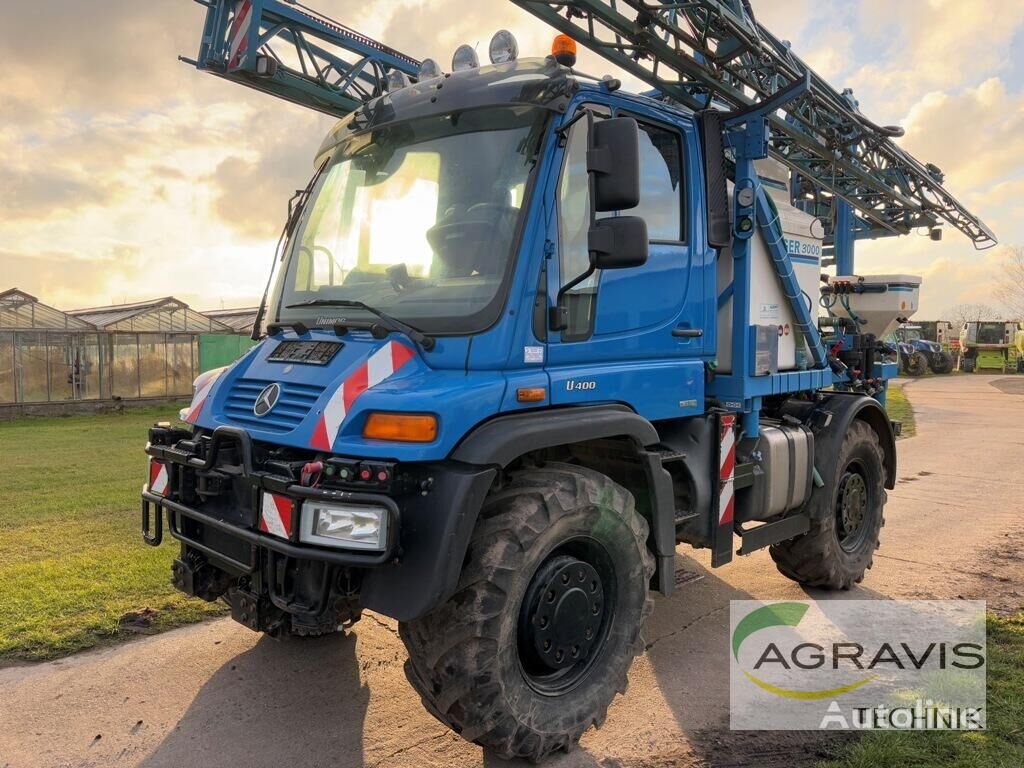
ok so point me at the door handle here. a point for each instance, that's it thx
(687, 333)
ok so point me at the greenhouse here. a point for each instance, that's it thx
(147, 349)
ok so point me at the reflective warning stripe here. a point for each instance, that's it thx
(198, 400)
(276, 515)
(727, 470)
(383, 364)
(158, 478)
(239, 34)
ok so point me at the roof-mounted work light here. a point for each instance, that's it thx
(464, 58)
(396, 80)
(503, 48)
(429, 69)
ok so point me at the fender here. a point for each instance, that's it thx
(436, 528)
(830, 418)
(504, 439)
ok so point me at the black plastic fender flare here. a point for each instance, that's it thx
(831, 417)
(500, 441)
(505, 438)
(436, 528)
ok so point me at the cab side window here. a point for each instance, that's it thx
(573, 226)
(661, 206)
(661, 187)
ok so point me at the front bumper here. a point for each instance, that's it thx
(229, 536)
(155, 507)
(211, 502)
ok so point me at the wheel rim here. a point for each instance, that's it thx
(565, 615)
(852, 507)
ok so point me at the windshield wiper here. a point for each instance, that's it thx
(295, 208)
(387, 321)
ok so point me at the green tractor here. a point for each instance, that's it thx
(986, 345)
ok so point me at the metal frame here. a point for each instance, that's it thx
(704, 53)
(284, 54)
(748, 134)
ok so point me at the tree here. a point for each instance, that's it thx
(963, 313)
(1010, 282)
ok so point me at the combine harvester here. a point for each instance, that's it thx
(527, 332)
(988, 346)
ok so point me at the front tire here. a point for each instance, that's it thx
(840, 546)
(942, 362)
(915, 364)
(544, 625)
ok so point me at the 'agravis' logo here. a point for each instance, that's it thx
(867, 658)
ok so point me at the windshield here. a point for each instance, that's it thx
(417, 219)
(991, 333)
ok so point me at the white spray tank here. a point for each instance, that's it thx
(769, 308)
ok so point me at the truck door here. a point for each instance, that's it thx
(633, 335)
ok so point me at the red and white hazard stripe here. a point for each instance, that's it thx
(276, 515)
(158, 480)
(239, 35)
(382, 364)
(198, 400)
(727, 469)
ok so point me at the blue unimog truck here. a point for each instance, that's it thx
(525, 335)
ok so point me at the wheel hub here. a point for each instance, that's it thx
(564, 604)
(853, 502)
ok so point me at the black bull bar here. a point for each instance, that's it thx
(154, 506)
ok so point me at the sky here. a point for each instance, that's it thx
(126, 175)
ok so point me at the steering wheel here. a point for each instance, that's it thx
(479, 224)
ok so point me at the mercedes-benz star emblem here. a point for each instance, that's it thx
(267, 400)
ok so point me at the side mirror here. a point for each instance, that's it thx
(618, 242)
(614, 160)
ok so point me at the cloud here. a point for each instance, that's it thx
(62, 279)
(911, 48)
(40, 193)
(976, 135)
(252, 189)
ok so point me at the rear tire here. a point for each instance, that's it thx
(847, 517)
(544, 625)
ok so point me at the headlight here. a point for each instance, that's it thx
(351, 526)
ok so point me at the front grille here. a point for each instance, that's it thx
(292, 406)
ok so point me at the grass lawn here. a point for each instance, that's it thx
(1000, 746)
(72, 562)
(899, 409)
